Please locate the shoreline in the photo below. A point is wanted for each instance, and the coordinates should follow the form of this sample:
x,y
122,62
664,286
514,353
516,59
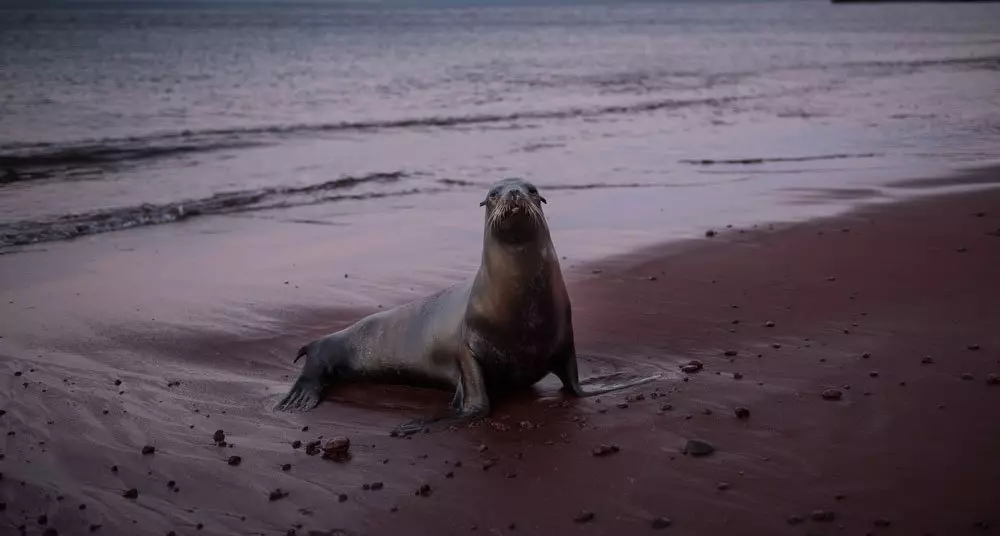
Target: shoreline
x,y
900,290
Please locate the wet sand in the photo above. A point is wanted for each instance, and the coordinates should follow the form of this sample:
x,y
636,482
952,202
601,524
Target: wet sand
x,y
858,303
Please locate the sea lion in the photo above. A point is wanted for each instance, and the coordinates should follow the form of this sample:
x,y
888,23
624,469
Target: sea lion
x,y
507,327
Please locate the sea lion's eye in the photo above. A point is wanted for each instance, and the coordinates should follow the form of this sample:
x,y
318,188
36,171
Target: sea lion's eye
x,y
494,194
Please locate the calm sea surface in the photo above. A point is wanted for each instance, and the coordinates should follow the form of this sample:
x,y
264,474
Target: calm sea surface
x,y
116,116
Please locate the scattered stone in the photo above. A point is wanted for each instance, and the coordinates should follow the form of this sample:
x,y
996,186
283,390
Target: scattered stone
x,y
692,366
927,360
698,447
43,520
973,347
822,516
148,449
312,448
622,405
722,486
342,497
277,494
769,324
286,467
832,394
337,448
114,468
170,484
730,353
831,278
450,474
219,436
131,493
296,444
661,523
866,355
605,450
424,490
710,233
795,520
742,412
50,532
993,379
966,376
235,460
584,517
737,375
873,374
666,407
882,522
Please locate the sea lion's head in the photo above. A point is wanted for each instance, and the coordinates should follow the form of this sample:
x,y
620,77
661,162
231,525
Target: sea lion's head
x,y
514,211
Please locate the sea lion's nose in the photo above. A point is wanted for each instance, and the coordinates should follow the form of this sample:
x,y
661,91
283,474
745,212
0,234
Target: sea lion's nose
x,y
514,195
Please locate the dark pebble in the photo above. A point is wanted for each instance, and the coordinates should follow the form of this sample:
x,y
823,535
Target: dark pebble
x,y
118,382
822,516
277,494
967,376
424,490
114,468
131,493
873,374
730,353
377,485
927,360
219,436
832,394
94,528
667,407
722,486
973,347
235,460
769,324
737,375
171,483
697,447
50,532
866,355
43,519
604,450
286,467
305,428
148,449
742,413
296,444
993,379
710,233
795,520
584,517
622,405
660,523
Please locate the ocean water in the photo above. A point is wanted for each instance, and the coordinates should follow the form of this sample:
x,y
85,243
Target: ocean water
x,y
113,116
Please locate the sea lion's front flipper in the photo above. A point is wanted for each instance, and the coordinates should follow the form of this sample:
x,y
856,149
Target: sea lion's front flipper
x,y
564,366
307,392
470,401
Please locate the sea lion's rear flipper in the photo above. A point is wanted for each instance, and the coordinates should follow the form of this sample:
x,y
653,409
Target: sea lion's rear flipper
x,y
307,391
470,401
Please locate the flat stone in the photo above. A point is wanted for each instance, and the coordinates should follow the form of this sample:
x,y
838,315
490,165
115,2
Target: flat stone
x,y
832,394
698,447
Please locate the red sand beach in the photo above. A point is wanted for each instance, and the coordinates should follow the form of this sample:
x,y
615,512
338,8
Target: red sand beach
x,y
894,306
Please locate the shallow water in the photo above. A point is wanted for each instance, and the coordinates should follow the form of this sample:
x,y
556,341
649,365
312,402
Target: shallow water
x,y
125,116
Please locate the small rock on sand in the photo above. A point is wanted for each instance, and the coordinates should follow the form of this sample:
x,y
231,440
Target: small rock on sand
x,y
692,366
277,494
795,520
710,233
286,467
148,449
235,460
822,516
296,444
993,379
698,447
966,376
737,375
973,347
769,324
742,412
605,450
832,394
131,493
722,486
660,523
424,490
219,436
584,517
337,448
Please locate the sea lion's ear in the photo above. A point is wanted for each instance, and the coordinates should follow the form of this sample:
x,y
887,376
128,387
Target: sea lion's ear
x,y
543,200
482,203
